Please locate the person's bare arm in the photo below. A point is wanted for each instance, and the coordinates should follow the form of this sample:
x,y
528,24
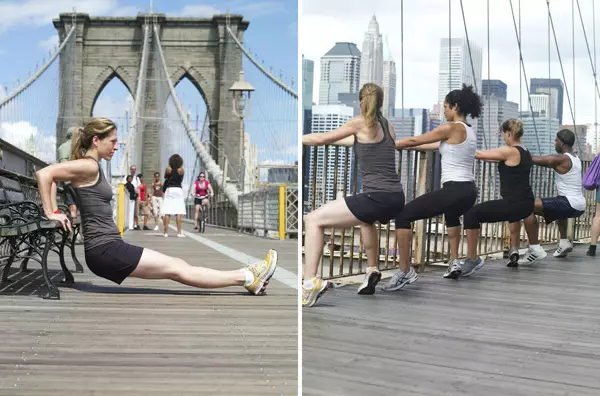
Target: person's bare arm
x,y
426,147
82,169
552,161
439,134
210,190
503,153
337,136
168,172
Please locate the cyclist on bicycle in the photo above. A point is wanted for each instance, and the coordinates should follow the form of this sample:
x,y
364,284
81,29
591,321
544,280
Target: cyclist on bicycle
x,y
202,190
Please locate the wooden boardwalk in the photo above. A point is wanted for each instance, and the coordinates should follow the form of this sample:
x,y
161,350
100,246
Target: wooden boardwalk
x,y
527,331
154,337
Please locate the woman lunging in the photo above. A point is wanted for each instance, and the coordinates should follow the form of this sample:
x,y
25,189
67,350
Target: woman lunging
x,y
106,254
372,137
514,167
457,143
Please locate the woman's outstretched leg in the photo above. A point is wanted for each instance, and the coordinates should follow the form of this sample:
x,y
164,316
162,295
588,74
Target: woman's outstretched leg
x,y
255,277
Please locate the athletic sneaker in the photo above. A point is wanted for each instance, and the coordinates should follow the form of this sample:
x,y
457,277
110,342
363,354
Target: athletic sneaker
x,y
182,235
400,279
312,294
533,255
454,269
262,272
563,249
470,266
372,277
156,227
591,251
513,258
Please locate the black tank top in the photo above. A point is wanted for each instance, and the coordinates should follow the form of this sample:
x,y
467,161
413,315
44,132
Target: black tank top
x,y
377,162
174,179
514,180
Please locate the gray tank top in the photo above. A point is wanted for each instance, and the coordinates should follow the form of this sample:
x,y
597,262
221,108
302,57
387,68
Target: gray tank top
x,y
377,162
93,202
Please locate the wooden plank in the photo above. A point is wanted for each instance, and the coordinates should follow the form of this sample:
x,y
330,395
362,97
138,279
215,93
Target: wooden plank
x,y
152,337
526,331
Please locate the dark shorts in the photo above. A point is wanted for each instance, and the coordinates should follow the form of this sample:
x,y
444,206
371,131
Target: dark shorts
x,y
375,206
496,211
114,261
558,208
198,201
69,194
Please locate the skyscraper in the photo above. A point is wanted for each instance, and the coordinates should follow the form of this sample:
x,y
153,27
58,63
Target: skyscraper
x,y
340,72
455,67
555,88
327,187
308,72
389,87
495,88
371,64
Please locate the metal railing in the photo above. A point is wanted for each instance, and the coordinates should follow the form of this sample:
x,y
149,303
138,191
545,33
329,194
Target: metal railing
x,y
336,175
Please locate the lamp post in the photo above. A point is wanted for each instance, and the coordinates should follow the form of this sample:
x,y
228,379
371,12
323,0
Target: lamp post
x,y
240,91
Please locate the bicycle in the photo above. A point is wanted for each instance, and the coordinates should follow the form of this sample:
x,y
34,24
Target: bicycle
x,y
203,215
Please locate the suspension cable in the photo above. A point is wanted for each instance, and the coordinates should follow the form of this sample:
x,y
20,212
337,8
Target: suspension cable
x,y
537,139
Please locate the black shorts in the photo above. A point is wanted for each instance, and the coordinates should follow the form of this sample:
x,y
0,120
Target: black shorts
x,y
375,206
452,200
198,201
558,208
114,261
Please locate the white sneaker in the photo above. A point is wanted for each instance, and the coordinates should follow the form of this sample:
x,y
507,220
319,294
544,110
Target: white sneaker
x,y
372,277
156,228
166,235
400,279
563,249
180,236
533,255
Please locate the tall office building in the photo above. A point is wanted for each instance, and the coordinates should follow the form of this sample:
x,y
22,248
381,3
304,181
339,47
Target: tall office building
x,y
389,87
308,73
581,132
308,69
455,68
327,187
371,64
495,88
555,88
340,72
540,104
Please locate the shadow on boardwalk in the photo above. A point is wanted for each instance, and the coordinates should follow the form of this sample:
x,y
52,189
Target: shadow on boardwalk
x,y
527,331
152,337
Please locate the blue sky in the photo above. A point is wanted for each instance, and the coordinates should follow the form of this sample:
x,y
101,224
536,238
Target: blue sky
x,y
27,35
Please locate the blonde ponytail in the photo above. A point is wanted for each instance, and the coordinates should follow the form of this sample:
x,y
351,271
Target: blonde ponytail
x,y
77,144
371,101
82,138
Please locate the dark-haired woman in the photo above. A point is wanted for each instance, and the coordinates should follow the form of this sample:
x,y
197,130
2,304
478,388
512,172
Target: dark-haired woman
x,y
457,143
514,166
174,203
372,137
106,254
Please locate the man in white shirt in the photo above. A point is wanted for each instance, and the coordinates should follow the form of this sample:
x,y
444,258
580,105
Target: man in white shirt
x,y
133,207
569,203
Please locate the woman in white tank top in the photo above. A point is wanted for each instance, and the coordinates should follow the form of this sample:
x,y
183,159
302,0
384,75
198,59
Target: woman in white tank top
x,y
457,144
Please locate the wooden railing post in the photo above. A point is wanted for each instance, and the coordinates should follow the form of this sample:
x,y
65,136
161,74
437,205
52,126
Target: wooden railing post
x,y
420,230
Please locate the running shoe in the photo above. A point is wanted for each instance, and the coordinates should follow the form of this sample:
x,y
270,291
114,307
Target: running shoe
x,y
400,279
533,255
454,270
372,277
470,266
311,295
262,272
563,249
591,251
513,258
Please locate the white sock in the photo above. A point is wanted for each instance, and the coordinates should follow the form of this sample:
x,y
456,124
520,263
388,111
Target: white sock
x,y
308,284
249,276
535,247
564,242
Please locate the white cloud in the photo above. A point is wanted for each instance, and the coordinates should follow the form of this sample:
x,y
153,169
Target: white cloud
x,y
50,43
323,23
28,138
41,12
113,108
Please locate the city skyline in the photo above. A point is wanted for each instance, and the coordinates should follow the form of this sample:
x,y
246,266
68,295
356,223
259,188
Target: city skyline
x,y
333,22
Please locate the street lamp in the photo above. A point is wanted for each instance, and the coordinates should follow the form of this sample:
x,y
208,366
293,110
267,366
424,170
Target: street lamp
x,y
241,91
